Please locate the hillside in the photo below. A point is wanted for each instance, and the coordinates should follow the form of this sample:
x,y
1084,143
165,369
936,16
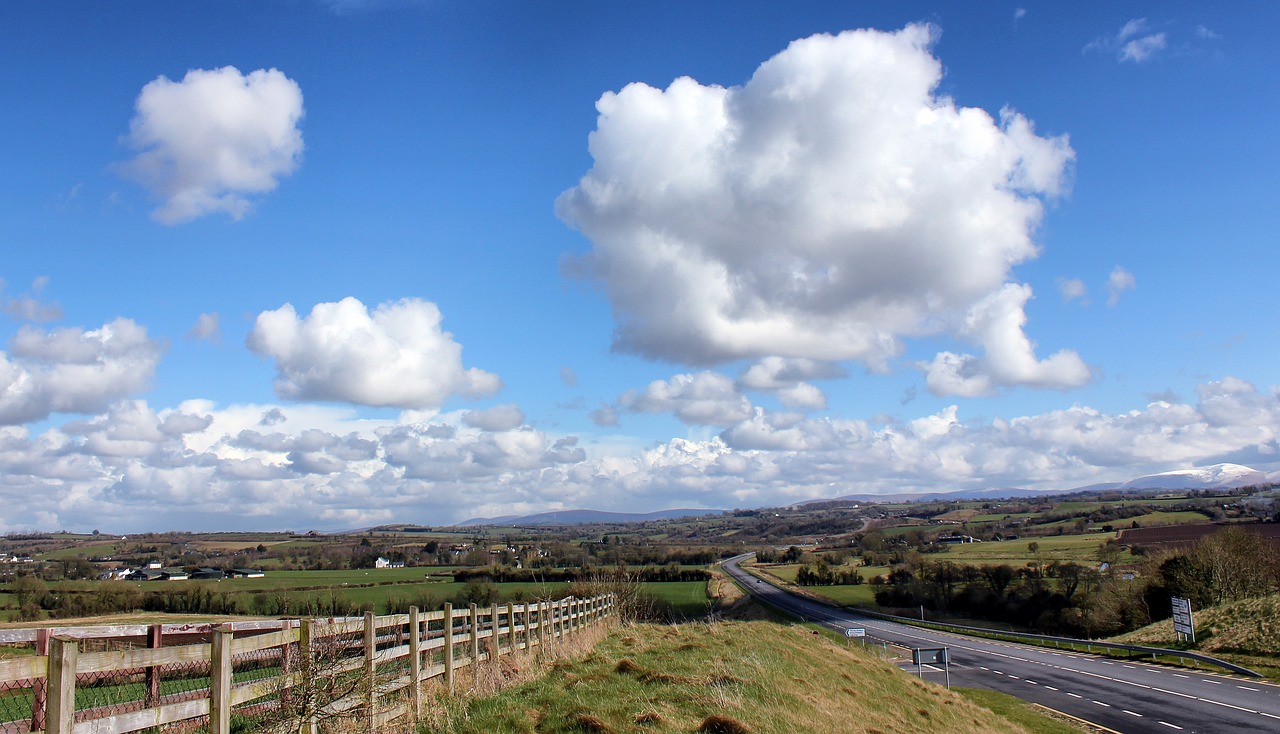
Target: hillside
x,y
731,678
1245,631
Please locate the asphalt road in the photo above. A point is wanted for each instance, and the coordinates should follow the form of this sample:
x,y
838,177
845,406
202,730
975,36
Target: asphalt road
x,y
1113,694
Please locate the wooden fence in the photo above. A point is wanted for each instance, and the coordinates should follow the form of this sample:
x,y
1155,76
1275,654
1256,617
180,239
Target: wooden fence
x,y
100,680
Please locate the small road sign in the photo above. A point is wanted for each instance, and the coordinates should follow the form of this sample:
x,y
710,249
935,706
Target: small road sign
x,y
855,632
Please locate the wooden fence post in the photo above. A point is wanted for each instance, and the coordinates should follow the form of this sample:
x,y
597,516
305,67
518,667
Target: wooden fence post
x,y
39,688
495,622
370,649
511,626
448,645
60,708
542,624
415,663
306,669
155,639
220,681
475,639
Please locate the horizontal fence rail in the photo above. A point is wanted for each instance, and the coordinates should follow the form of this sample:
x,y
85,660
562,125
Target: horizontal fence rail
x,y
124,678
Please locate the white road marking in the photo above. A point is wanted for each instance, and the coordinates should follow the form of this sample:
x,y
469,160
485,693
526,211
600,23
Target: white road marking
x,y
1215,682
1179,675
1050,688
1102,704
1247,688
1132,713
1075,695
1171,726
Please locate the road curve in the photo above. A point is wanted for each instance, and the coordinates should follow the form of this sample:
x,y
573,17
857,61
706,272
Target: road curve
x,y
1119,695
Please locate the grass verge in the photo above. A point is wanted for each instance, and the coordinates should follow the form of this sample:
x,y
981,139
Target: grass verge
x,y
732,677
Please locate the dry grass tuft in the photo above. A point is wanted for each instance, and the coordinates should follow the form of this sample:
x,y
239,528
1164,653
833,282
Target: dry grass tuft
x,y
716,724
591,723
626,665
650,718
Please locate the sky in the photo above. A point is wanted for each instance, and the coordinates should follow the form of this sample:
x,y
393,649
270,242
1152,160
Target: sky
x,y
330,264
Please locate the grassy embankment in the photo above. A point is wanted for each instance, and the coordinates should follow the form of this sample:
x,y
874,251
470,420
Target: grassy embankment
x,y
1245,632
731,677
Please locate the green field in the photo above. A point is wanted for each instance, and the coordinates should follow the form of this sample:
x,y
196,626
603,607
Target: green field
x,y
1078,548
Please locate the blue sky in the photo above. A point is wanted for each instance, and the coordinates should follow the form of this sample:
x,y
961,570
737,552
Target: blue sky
x,y
298,264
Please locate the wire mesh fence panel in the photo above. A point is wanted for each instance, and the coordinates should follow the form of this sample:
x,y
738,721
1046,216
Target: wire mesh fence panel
x,y
16,705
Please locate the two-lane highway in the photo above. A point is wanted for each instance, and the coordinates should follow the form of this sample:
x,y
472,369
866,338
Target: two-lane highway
x,y
1119,695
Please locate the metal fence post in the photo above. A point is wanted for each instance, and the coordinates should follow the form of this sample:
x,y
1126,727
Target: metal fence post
x,y
220,681
60,708
415,663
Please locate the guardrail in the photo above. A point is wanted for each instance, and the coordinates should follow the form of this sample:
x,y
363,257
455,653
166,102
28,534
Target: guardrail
x,y
1071,641
368,669
1034,638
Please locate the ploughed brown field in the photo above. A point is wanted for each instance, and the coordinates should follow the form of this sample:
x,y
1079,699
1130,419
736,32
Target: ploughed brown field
x,y
1178,535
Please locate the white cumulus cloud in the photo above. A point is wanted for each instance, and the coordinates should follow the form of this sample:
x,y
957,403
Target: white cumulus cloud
x,y
1009,359
72,370
703,398
209,142
827,208
395,356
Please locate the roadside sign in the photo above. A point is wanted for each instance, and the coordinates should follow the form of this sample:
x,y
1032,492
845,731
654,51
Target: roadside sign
x,y
855,632
930,655
1182,622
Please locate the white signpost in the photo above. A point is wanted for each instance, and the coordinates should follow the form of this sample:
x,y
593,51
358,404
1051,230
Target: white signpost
x,y
1182,621
855,632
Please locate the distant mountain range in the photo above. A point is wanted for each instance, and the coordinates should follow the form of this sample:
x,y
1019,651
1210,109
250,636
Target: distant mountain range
x,y
1216,476
584,517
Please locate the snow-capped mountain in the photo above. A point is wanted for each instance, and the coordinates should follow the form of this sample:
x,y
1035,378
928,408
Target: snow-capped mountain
x,y
1216,476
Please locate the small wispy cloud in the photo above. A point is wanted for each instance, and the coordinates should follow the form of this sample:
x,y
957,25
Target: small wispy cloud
x,y
1073,289
1134,42
1121,280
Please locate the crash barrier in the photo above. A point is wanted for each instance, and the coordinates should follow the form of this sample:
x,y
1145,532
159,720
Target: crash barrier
x,y
123,678
1088,645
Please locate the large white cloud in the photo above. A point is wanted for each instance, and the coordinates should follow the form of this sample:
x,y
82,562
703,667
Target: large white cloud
x,y
212,140
72,370
204,467
996,323
826,209
396,356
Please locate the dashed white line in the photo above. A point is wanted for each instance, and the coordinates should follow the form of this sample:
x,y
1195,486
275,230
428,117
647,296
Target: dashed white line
x,y
1050,688
1247,688
1132,713
1180,675
1215,682
1171,726
1102,704
1075,695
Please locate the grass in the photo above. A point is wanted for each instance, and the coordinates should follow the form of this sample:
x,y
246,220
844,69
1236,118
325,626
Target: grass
x,y
1245,632
1026,715
1078,548
757,677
